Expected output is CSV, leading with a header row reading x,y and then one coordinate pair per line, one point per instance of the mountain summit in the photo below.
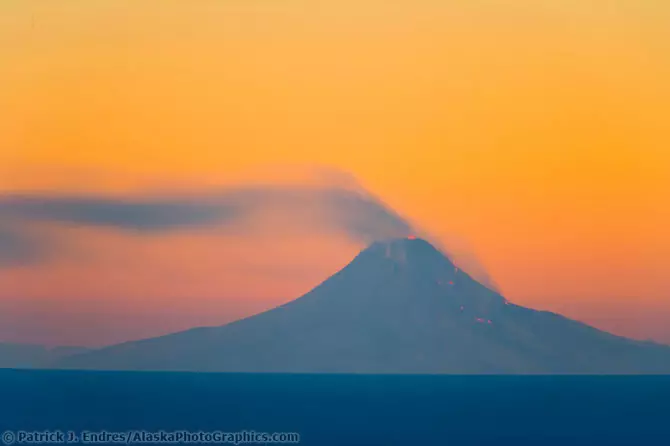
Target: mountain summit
x,y
400,306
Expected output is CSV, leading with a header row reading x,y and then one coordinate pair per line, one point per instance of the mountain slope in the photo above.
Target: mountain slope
x,y
399,307
33,356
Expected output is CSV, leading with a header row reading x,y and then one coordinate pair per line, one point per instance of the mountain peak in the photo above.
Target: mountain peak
x,y
411,241
405,250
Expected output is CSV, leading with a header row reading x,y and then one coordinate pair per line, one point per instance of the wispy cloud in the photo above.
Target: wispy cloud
x,y
142,214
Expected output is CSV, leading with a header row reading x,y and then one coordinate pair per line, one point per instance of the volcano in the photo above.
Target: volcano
x,y
400,306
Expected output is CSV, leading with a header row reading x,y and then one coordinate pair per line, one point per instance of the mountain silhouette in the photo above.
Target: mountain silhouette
x,y
400,306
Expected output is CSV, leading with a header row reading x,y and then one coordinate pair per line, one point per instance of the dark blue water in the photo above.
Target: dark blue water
x,y
348,410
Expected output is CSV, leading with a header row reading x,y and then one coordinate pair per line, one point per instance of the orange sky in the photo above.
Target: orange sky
x,y
537,132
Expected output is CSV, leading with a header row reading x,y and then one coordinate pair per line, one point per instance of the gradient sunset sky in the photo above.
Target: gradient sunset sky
x,y
533,134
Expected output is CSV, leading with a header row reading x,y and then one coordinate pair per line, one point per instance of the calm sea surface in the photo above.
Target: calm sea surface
x,y
346,409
